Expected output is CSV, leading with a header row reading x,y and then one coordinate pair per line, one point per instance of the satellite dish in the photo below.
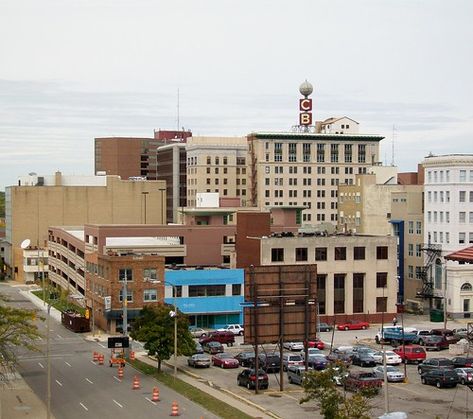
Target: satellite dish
x,y
25,243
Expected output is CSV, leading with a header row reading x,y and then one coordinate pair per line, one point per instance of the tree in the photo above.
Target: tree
x,y
17,330
333,403
155,327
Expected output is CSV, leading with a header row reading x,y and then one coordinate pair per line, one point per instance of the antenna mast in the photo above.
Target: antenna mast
x,y
392,145
178,110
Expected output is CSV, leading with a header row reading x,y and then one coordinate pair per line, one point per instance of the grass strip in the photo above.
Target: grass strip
x,y
60,304
207,401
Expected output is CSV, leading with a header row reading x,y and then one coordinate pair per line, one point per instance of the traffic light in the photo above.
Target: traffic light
x,y
87,314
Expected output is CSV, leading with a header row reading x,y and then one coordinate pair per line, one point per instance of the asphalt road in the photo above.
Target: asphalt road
x,y
80,388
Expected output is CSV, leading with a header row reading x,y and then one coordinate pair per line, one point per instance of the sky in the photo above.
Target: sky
x,y
73,70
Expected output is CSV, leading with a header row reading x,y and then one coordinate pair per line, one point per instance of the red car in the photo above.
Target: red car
x,y
353,325
411,353
316,343
225,360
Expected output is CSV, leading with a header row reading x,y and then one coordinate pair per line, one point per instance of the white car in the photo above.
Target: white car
x,y
391,358
311,352
236,329
293,346
393,374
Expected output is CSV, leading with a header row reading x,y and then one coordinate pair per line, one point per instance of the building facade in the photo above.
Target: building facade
x,y
38,202
305,169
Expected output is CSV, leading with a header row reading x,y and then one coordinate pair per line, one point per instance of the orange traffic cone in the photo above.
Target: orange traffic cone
x,y
175,409
132,356
136,383
120,372
96,356
101,358
155,397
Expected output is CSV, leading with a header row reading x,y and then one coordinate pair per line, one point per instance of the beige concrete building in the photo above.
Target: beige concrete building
x,y
217,165
305,169
365,206
356,275
38,202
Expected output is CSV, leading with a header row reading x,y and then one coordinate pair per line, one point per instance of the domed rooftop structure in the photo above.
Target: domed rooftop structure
x,y
306,89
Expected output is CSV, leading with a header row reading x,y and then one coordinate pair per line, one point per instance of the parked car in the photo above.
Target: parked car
x,y
339,377
198,348
317,361
393,374
270,362
293,346
411,353
461,332
392,358
440,378
218,336
246,359
357,380
199,360
462,362
435,364
316,343
295,374
353,325
363,359
213,347
465,375
324,327
289,359
225,360
446,334
247,378
310,352
197,332
236,329
435,343
338,355
420,334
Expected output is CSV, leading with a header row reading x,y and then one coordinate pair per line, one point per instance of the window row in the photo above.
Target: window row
x,y
441,176
301,254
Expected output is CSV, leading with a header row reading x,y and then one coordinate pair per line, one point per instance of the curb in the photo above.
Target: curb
x,y
250,403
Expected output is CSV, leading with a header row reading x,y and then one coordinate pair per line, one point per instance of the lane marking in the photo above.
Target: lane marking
x,y
84,406
41,365
92,362
59,336
116,378
91,382
118,404
67,363
101,345
151,401
59,383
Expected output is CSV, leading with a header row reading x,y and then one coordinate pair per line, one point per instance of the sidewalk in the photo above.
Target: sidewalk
x,y
208,387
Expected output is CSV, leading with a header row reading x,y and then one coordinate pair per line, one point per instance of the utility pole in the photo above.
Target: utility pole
x,y
125,306
445,296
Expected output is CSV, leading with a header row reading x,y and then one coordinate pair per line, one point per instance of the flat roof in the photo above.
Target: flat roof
x,y
315,136
141,241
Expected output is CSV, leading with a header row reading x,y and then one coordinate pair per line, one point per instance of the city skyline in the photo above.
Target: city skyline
x,y
72,72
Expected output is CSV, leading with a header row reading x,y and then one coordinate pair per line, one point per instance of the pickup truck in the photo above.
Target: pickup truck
x,y
394,335
236,329
359,380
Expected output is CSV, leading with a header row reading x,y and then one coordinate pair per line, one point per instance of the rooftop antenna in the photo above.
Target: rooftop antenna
x,y
392,145
178,124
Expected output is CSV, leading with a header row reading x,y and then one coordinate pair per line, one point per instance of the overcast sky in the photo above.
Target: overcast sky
x,y
72,70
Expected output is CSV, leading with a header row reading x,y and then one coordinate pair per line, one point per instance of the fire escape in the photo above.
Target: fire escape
x,y
432,252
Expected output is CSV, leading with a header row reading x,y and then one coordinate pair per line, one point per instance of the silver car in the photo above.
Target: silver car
x,y
465,375
293,346
199,360
394,375
197,332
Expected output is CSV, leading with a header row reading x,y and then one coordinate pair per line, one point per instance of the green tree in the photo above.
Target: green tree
x,y
155,327
17,330
333,402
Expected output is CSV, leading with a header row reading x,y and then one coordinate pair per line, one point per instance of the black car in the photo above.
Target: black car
x,y
434,364
317,362
269,362
246,359
440,378
363,359
247,378
213,347
462,362
324,327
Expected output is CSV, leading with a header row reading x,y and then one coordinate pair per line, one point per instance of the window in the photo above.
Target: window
x,y
418,227
358,292
320,253
348,153
334,153
292,152
339,293
320,153
358,253
418,272
340,253
236,289
470,237
150,295
447,196
466,287
381,252
462,196
321,293
462,217
206,290
240,161
461,238
381,304
462,175
301,254
150,274
418,250
209,160
125,274
177,291
129,296
410,271
470,217
381,279
361,153
277,255
411,227
410,249
306,152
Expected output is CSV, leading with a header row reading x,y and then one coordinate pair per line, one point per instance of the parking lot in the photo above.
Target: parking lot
x,y
419,401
